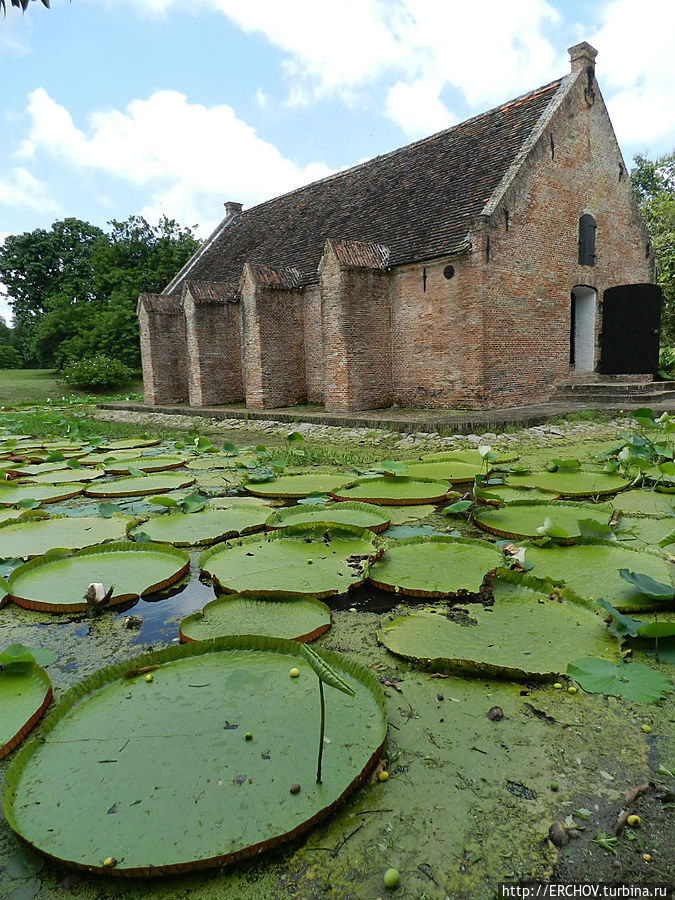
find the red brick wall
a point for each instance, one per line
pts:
(213, 337)
(356, 313)
(436, 334)
(534, 264)
(163, 355)
(313, 343)
(274, 352)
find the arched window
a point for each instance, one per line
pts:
(587, 228)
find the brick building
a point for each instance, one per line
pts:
(476, 267)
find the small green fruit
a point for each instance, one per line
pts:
(383, 775)
(392, 879)
(294, 672)
(554, 785)
(248, 736)
(634, 821)
(572, 689)
(647, 729)
(558, 686)
(110, 862)
(148, 677)
(310, 561)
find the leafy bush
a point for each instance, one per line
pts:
(10, 358)
(96, 373)
(667, 362)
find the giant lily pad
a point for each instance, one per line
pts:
(572, 483)
(294, 486)
(57, 583)
(297, 618)
(393, 490)
(98, 457)
(25, 694)
(469, 456)
(506, 493)
(128, 444)
(524, 634)
(145, 464)
(203, 527)
(60, 475)
(591, 570)
(359, 515)
(455, 470)
(645, 503)
(522, 519)
(11, 494)
(645, 531)
(435, 566)
(296, 561)
(213, 797)
(139, 485)
(32, 537)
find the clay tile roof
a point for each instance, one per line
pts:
(362, 254)
(209, 292)
(418, 201)
(280, 278)
(160, 303)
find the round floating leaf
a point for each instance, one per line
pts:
(570, 483)
(25, 694)
(218, 461)
(145, 464)
(524, 634)
(55, 583)
(62, 475)
(42, 468)
(33, 537)
(11, 494)
(591, 570)
(203, 527)
(521, 518)
(137, 486)
(19, 653)
(100, 457)
(295, 561)
(298, 619)
(9, 515)
(645, 503)
(455, 470)
(640, 531)
(401, 514)
(213, 797)
(507, 493)
(634, 681)
(469, 456)
(359, 515)
(395, 490)
(294, 486)
(435, 566)
(128, 444)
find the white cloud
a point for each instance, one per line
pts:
(418, 108)
(185, 154)
(636, 69)
(20, 188)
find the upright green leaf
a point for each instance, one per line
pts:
(326, 673)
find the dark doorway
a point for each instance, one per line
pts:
(631, 322)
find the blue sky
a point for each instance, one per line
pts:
(118, 107)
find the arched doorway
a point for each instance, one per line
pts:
(582, 329)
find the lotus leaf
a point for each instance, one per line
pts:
(436, 566)
(396, 490)
(634, 681)
(139, 485)
(145, 464)
(213, 797)
(25, 694)
(521, 518)
(203, 527)
(591, 570)
(570, 483)
(469, 456)
(32, 537)
(294, 486)
(57, 583)
(360, 515)
(298, 619)
(295, 561)
(524, 634)
(11, 494)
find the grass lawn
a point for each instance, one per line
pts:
(24, 387)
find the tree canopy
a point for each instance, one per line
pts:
(654, 185)
(20, 4)
(73, 288)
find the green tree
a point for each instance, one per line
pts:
(74, 289)
(9, 357)
(654, 185)
(20, 4)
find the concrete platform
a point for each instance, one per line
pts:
(400, 419)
